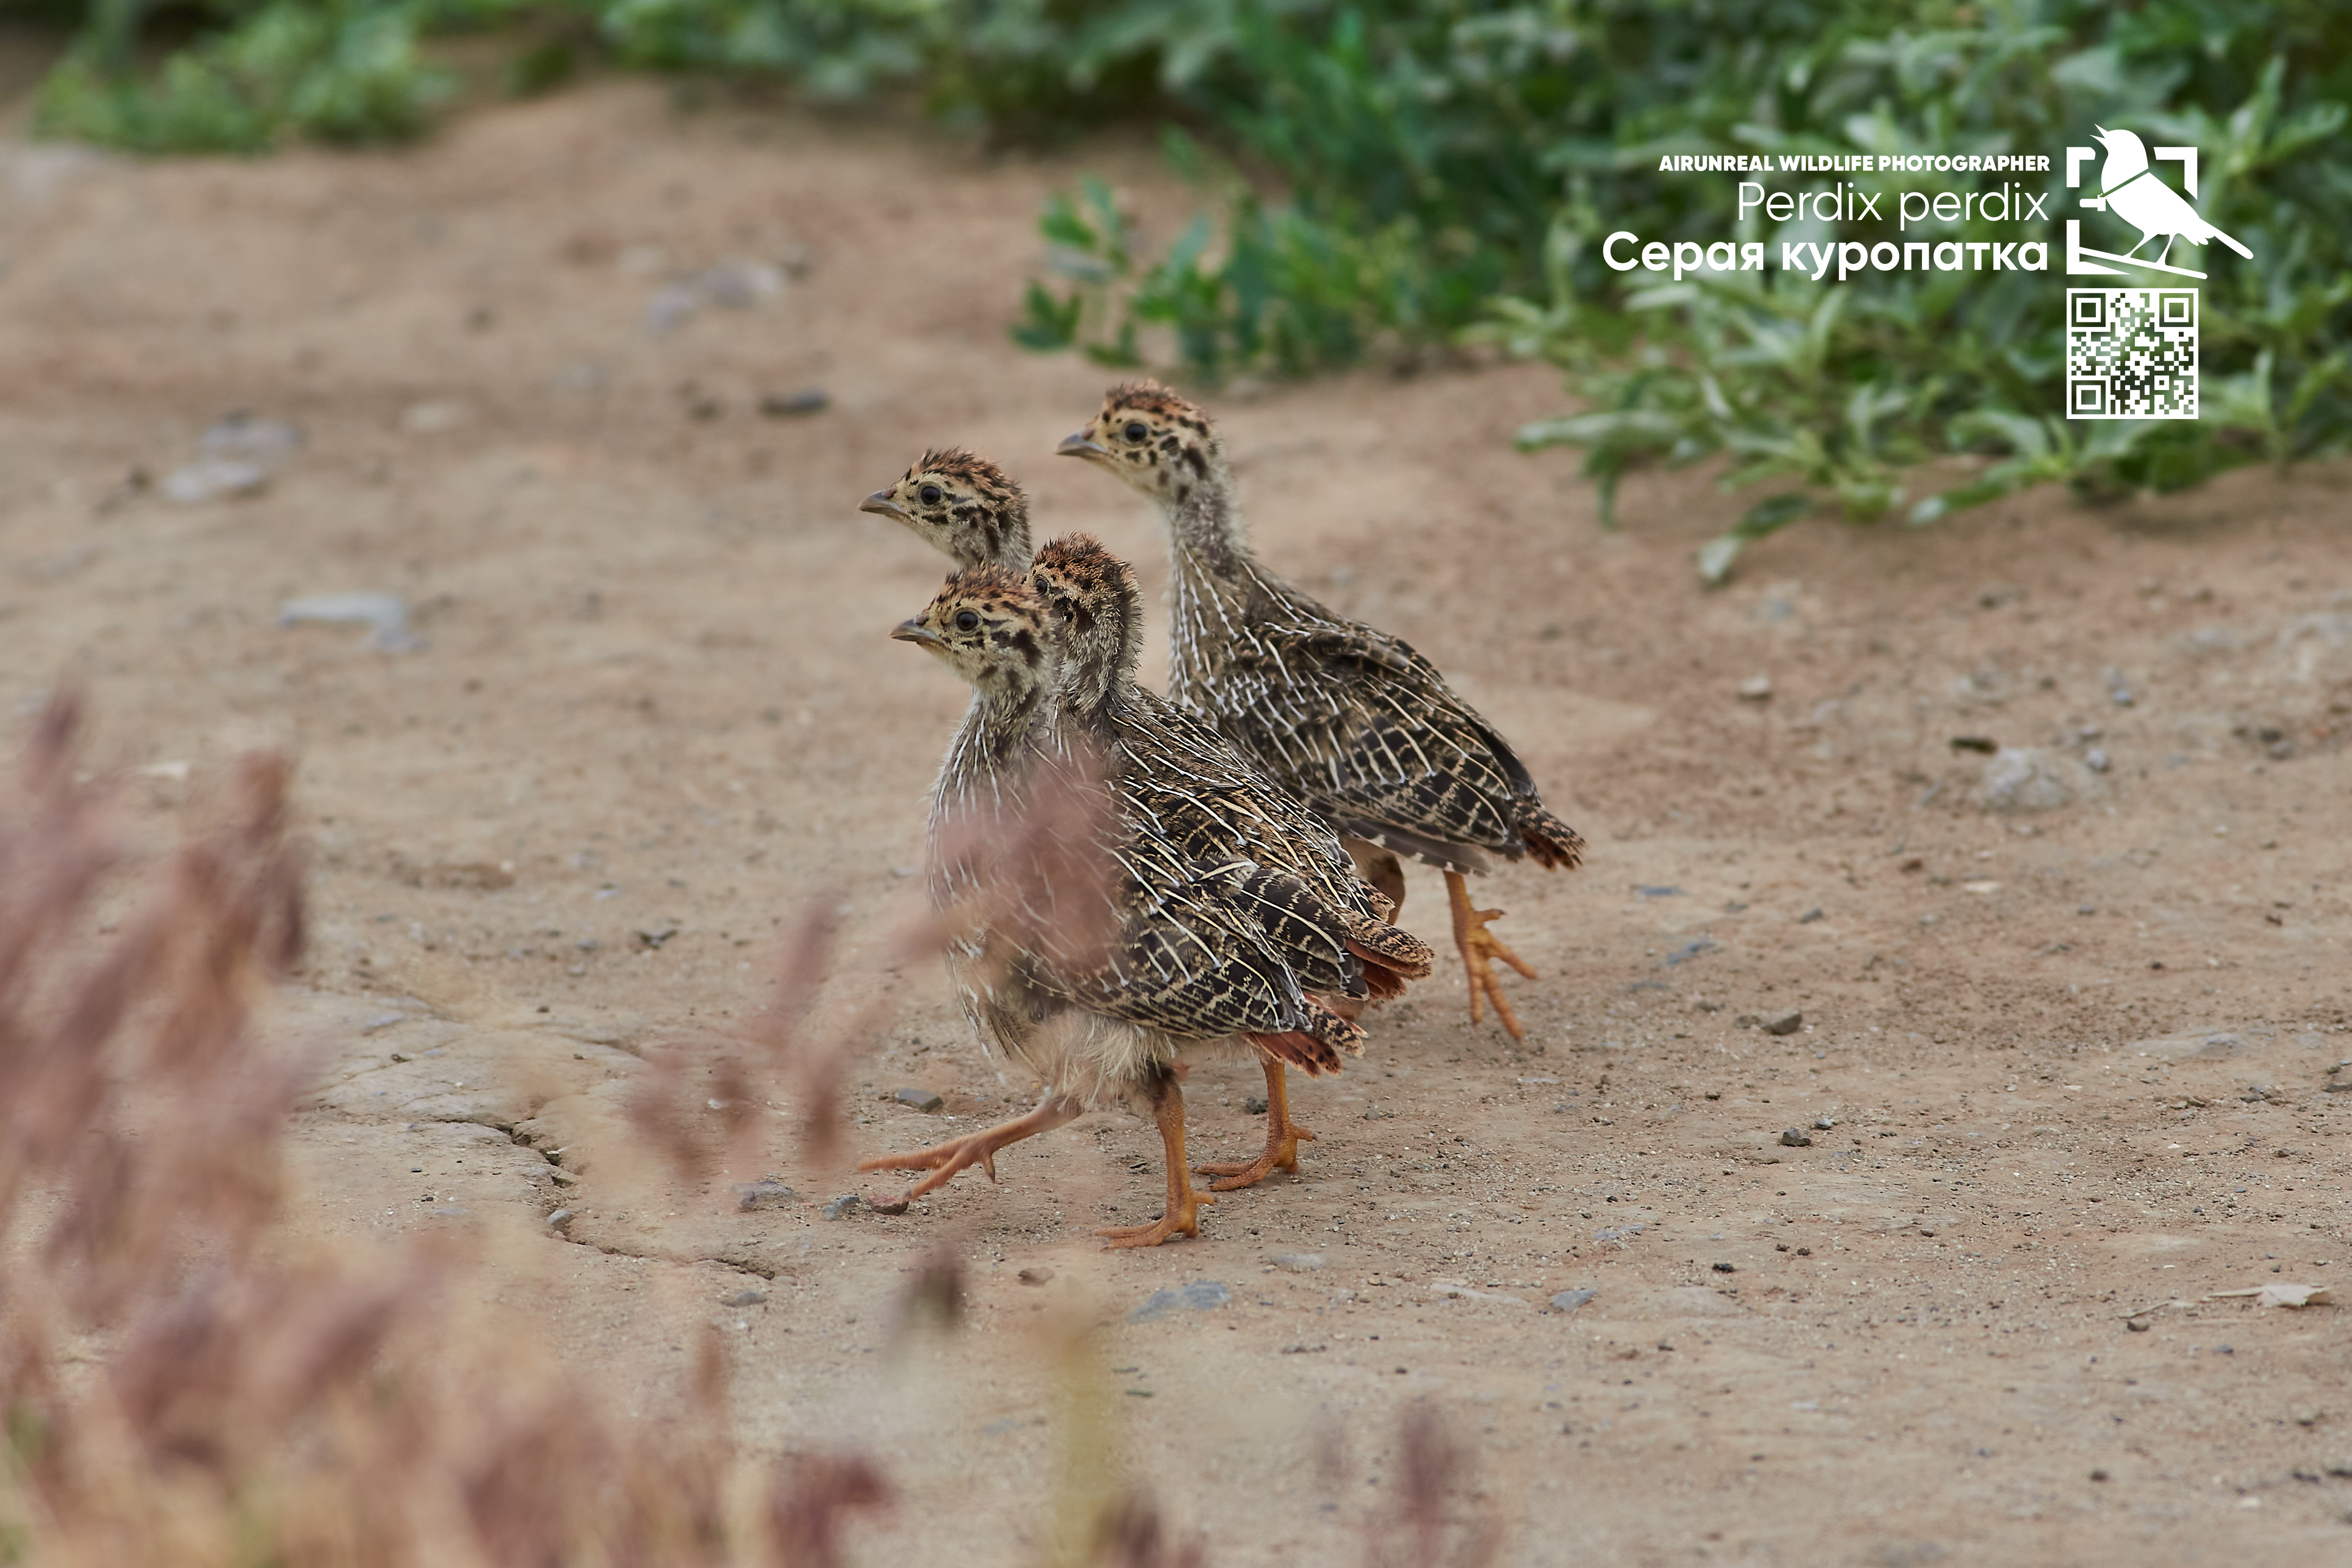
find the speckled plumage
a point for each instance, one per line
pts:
(1087, 943)
(1351, 719)
(1093, 984)
(962, 505)
(1188, 781)
(1203, 799)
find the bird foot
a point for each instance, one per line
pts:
(1281, 1154)
(1181, 1219)
(942, 1160)
(1480, 949)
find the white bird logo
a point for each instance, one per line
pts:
(2147, 203)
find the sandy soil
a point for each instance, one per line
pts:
(2074, 1061)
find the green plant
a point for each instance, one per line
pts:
(1386, 175)
(1281, 290)
(1477, 155)
(346, 71)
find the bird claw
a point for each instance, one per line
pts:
(1480, 948)
(942, 1160)
(1182, 1220)
(1281, 1155)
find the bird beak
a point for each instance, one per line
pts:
(882, 505)
(1080, 444)
(915, 631)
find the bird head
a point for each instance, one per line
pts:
(988, 626)
(961, 504)
(1097, 610)
(1159, 443)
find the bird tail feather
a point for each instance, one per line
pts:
(1314, 1048)
(1555, 845)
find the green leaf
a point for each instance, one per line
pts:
(1715, 557)
(1773, 512)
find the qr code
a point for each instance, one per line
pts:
(2131, 353)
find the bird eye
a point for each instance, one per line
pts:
(1134, 432)
(966, 621)
(931, 495)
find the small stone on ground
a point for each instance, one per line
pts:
(1200, 1296)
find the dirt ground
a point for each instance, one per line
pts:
(2062, 1061)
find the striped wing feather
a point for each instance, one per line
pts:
(1192, 947)
(1360, 726)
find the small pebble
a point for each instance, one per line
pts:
(2138, 1325)
(842, 1208)
(766, 1193)
(1787, 1022)
(789, 406)
(432, 418)
(1796, 1138)
(1823, 1123)
(1569, 1300)
(256, 440)
(1035, 1276)
(1756, 689)
(1299, 1262)
(560, 1221)
(1727, 1267)
(386, 612)
(1808, 917)
(897, 1205)
(732, 286)
(1254, 1105)
(920, 1099)
(1200, 1296)
(748, 1298)
(208, 478)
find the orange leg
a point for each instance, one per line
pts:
(1283, 1137)
(943, 1160)
(1182, 1215)
(1480, 947)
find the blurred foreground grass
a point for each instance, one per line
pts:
(192, 1375)
(187, 1375)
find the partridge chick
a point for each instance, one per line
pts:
(1180, 770)
(1213, 809)
(1097, 984)
(1362, 727)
